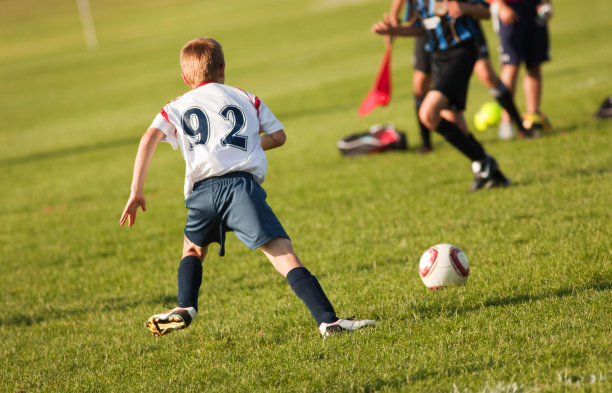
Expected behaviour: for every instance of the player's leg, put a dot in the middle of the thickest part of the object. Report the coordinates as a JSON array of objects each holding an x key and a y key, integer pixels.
[
  {"x": 508, "y": 77},
  {"x": 451, "y": 74},
  {"x": 306, "y": 286},
  {"x": 421, "y": 83},
  {"x": 487, "y": 75},
  {"x": 189, "y": 281},
  {"x": 280, "y": 253},
  {"x": 537, "y": 52},
  {"x": 532, "y": 85}
]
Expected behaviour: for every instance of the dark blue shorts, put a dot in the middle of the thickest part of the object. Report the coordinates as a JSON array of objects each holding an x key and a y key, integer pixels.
[
  {"x": 233, "y": 202},
  {"x": 527, "y": 39}
]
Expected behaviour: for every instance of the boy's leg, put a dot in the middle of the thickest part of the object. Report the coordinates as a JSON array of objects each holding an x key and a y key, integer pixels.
[
  {"x": 189, "y": 281},
  {"x": 421, "y": 82},
  {"x": 509, "y": 73},
  {"x": 484, "y": 70},
  {"x": 306, "y": 286},
  {"x": 189, "y": 274},
  {"x": 433, "y": 105},
  {"x": 486, "y": 172},
  {"x": 532, "y": 85}
]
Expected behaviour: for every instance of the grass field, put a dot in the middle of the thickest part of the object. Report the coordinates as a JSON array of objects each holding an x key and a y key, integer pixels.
[{"x": 76, "y": 288}]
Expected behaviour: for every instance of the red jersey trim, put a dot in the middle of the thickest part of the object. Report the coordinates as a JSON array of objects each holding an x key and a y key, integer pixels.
[
  {"x": 255, "y": 103},
  {"x": 204, "y": 83}
]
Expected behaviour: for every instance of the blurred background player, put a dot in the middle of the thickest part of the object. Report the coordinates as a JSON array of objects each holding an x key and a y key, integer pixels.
[
  {"x": 222, "y": 132},
  {"x": 421, "y": 77},
  {"x": 522, "y": 26},
  {"x": 451, "y": 41}
]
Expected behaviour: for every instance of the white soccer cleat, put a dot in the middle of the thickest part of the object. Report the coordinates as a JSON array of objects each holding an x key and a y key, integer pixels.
[
  {"x": 177, "y": 318},
  {"x": 344, "y": 325}
]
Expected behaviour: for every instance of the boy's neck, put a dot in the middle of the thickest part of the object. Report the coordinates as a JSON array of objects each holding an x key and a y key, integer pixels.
[{"x": 220, "y": 80}]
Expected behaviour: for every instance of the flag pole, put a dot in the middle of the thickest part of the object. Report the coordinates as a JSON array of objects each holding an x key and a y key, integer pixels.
[{"x": 89, "y": 30}]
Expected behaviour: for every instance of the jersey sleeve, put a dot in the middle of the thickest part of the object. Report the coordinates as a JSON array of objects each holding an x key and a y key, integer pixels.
[
  {"x": 268, "y": 123},
  {"x": 162, "y": 123}
]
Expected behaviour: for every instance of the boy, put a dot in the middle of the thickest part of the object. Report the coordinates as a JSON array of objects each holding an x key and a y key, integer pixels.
[
  {"x": 483, "y": 68},
  {"x": 218, "y": 129},
  {"x": 522, "y": 26},
  {"x": 451, "y": 41}
]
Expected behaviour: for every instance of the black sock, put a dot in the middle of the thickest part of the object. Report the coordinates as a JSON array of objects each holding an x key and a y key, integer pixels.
[
  {"x": 189, "y": 281},
  {"x": 425, "y": 133},
  {"x": 504, "y": 97},
  {"x": 307, "y": 287},
  {"x": 468, "y": 145}
]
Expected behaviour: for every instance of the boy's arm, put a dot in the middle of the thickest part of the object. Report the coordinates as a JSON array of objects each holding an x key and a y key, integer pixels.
[
  {"x": 273, "y": 140},
  {"x": 394, "y": 12},
  {"x": 507, "y": 15},
  {"x": 384, "y": 27},
  {"x": 476, "y": 11},
  {"x": 147, "y": 146}
]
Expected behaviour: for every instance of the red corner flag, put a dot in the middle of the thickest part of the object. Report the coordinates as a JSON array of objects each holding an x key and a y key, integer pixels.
[{"x": 380, "y": 94}]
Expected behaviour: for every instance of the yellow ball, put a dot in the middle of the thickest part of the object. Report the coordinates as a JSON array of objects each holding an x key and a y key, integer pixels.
[
  {"x": 492, "y": 112},
  {"x": 480, "y": 121}
]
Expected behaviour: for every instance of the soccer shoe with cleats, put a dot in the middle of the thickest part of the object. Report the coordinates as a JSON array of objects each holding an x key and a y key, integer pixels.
[
  {"x": 536, "y": 121},
  {"x": 483, "y": 171},
  {"x": 177, "y": 318},
  {"x": 506, "y": 130},
  {"x": 498, "y": 180},
  {"x": 344, "y": 325}
]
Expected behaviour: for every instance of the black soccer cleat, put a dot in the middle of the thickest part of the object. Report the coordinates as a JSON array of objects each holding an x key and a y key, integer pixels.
[
  {"x": 177, "y": 318},
  {"x": 483, "y": 171},
  {"x": 498, "y": 180}
]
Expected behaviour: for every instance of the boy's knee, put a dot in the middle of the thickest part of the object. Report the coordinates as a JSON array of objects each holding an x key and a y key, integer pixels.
[
  {"x": 190, "y": 248},
  {"x": 429, "y": 117}
]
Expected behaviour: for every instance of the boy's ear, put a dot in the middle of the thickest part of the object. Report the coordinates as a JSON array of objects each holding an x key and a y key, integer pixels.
[
  {"x": 185, "y": 79},
  {"x": 222, "y": 71}
]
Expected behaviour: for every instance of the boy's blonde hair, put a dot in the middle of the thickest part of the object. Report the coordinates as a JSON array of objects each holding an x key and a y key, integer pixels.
[{"x": 201, "y": 60}]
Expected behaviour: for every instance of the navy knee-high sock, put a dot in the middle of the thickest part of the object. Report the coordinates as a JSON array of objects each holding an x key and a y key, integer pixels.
[
  {"x": 466, "y": 144},
  {"x": 425, "y": 133},
  {"x": 189, "y": 281},
  {"x": 307, "y": 287}
]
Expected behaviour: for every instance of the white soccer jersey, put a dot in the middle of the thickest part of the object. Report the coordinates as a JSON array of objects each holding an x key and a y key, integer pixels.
[{"x": 218, "y": 129}]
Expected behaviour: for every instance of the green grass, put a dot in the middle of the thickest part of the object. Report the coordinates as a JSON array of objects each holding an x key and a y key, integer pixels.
[{"x": 76, "y": 288}]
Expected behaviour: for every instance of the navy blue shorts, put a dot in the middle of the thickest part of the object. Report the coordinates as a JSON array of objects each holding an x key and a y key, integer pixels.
[
  {"x": 231, "y": 203},
  {"x": 525, "y": 40}
]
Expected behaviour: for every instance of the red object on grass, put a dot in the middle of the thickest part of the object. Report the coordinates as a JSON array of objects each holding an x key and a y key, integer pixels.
[{"x": 380, "y": 94}]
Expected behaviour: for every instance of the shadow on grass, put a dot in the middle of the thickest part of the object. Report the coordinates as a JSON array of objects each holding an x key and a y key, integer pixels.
[
  {"x": 75, "y": 313},
  {"x": 446, "y": 310},
  {"x": 68, "y": 151}
]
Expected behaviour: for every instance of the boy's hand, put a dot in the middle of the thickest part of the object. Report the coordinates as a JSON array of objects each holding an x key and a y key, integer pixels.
[
  {"x": 383, "y": 27},
  {"x": 455, "y": 9},
  {"x": 129, "y": 213},
  {"x": 507, "y": 15}
]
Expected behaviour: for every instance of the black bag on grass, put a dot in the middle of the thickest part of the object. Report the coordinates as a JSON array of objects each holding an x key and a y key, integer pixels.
[{"x": 605, "y": 110}]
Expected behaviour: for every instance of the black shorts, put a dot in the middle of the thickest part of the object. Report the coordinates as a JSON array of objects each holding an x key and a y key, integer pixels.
[
  {"x": 451, "y": 72},
  {"x": 422, "y": 58},
  {"x": 481, "y": 42}
]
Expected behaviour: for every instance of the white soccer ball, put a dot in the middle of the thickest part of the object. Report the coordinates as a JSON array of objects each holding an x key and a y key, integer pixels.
[{"x": 443, "y": 265}]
